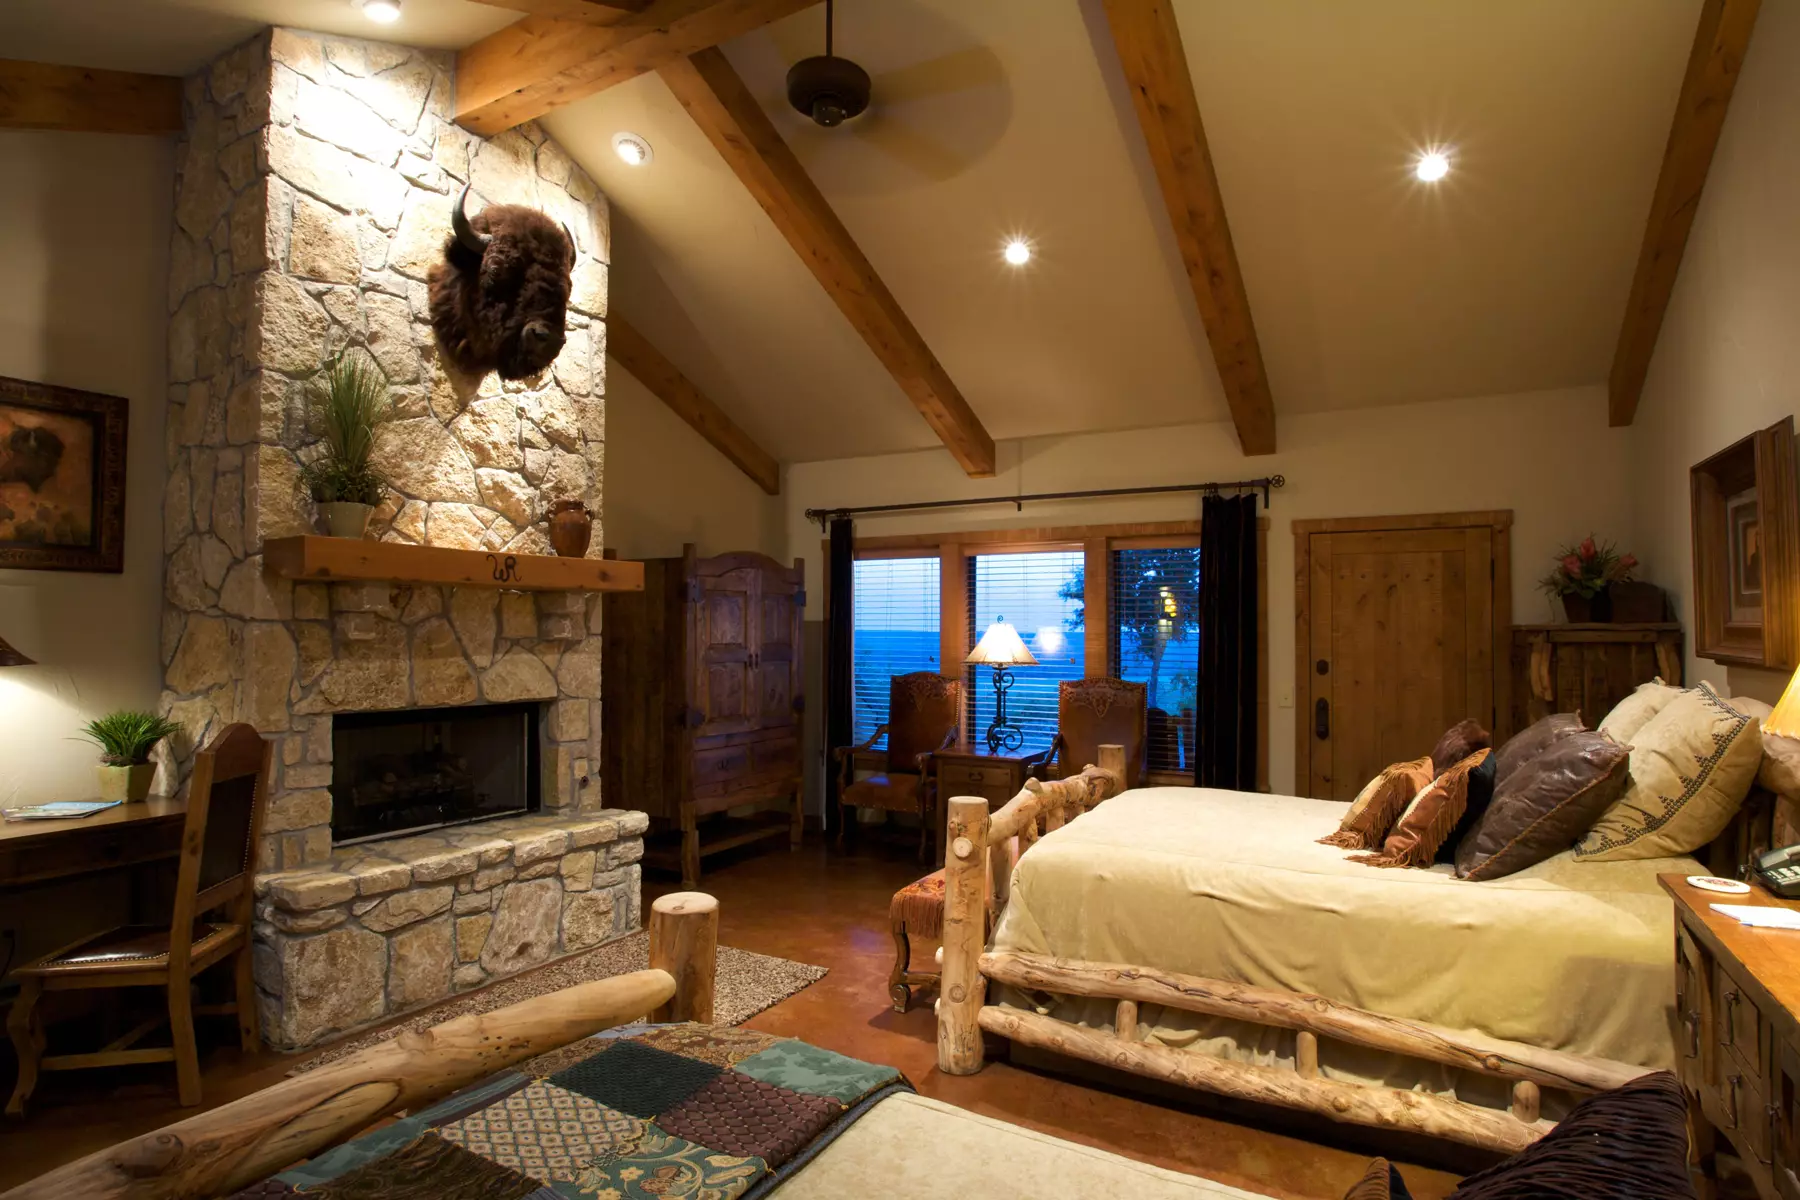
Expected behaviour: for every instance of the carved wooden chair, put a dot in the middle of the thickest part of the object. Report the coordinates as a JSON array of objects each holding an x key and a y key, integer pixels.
[
  {"x": 1091, "y": 713},
  {"x": 924, "y": 716},
  {"x": 213, "y": 897}
]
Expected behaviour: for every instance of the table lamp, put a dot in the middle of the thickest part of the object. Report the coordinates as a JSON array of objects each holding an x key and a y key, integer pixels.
[
  {"x": 1001, "y": 649},
  {"x": 1785, "y": 720},
  {"x": 12, "y": 658}
]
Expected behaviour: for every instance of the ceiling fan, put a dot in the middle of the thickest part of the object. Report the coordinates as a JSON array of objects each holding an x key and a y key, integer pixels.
[{"x": 826, "y": 88}]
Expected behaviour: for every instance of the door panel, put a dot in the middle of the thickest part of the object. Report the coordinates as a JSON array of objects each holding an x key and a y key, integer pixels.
[
  {"x": 723, "y": 648},
  {"x": 777, "y": 654},
  {"x": 1400, "y": 633}
]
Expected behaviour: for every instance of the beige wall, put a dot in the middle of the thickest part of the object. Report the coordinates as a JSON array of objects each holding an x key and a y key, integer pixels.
[
  {"x": 1728, "y": 359},
  {"x": 666, "y": 485},
  {"x": 1547, "y": 456},
  {"x": 84, "y": 222}
]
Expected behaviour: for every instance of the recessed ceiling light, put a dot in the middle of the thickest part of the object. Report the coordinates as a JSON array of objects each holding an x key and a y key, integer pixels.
[
  {"x": 1017, "y": 252},
  {"x": 1432, "y": 166},
  {"x": 384, "y": 11},
  {"x": 632, "y": 148}
]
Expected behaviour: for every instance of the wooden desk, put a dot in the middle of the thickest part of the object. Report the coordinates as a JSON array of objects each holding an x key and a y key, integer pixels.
[
  {"x": 134, "y": 832},
  {"x": 965, "y": 770},
  {"x": 1737, "y": 1004}
]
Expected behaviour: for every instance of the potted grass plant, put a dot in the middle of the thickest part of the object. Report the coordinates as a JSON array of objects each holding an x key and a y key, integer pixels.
[
  {"x": 350, "y": 401},
  {"x": 125, "y": 739}
]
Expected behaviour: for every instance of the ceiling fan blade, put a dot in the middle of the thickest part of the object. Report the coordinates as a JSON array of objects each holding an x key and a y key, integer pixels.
[
  {"x": 928, "y": 157},
  {"x": 959, "y": 71}
]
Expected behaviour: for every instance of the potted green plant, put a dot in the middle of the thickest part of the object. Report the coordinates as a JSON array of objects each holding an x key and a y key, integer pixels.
[
  {"x": 350, "y": 401},
  {"x": 125, "y": 739},
  {"x": 1583, "y": 578}
]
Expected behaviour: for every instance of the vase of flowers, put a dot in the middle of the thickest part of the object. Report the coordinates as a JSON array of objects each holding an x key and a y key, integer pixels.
[
  {"x": 347, "y": 406},
  {"x": 1583, "y": 579},
  {"x": 125, "y": 739}
]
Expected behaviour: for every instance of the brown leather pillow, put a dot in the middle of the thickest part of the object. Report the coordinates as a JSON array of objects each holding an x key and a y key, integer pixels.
[
  {"x": 1428, "y": 820},
  {"x": 1459, "y": 741},
  {"x": 1546, "y": 805},
  {"x": 1531, "y": 741},
  {"x": 1380, "y": 804}
]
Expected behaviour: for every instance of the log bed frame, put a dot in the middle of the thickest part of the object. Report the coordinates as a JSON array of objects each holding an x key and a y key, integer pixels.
[
  {"x": 982, "y": 850},
  {"x": 216, "y": 1152}
]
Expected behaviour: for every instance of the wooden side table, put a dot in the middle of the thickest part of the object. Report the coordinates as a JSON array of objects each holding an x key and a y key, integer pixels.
[
  {"x": 1737, "y": 1007},
  {"x": 969, "y": 770}
]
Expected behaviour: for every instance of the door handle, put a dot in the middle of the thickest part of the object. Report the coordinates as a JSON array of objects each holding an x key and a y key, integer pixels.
[{"x": 1322, "y": 718}]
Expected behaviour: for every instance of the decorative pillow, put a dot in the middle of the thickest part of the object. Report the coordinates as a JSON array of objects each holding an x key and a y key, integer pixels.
[
  {"x": 1691, "y": 766},
  {"x": 1428, "y": 820},
  {"x": 1459, "y": 741},
  {"x": 1380, "y": 804},
  {"x": 1545, "y": 806},
  {"x": 1380, "y": 1182},
  {"x": 1481, "y": 794},
  {"x": 1634, "y": 711},
  {"x": 1780, "y": 769},
  {"x": 1627, "y": 1144},
  {"x": 1532, "y": 741}
]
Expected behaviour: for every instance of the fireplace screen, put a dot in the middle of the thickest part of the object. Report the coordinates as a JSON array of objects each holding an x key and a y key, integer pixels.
[{"x": 402, "y": 772}]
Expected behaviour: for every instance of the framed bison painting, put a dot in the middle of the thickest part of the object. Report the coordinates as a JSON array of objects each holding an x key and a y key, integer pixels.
[{"x": 62, "y": 478}]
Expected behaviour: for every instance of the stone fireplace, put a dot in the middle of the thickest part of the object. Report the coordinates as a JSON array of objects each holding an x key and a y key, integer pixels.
[{"x": 315, "y": 182}]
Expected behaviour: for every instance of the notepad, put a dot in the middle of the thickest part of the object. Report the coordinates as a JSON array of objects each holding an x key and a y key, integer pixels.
[
  {"x": 1752, "y": 914},
  {"x": 59, "y": 810}
]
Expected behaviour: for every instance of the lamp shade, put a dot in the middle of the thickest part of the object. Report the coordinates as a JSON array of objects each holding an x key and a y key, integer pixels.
[
  {"x": 1785, "y": 720},
  {"x": 1001, "y": 646},
  {"x": 12, "y": 658}
]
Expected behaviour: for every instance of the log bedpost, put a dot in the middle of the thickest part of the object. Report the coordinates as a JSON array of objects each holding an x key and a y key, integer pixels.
[
  {"x": 961, "y": 988},
  {"x": 1112, "y": 759},
  {"x": 684, "y": 941}
]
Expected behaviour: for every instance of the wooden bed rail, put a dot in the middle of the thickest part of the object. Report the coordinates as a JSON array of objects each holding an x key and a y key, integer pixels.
[{"x": 223, "y": 1149}]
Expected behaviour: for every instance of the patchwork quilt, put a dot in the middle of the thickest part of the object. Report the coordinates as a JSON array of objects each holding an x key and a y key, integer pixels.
[{"x": 674, "y": 1112}]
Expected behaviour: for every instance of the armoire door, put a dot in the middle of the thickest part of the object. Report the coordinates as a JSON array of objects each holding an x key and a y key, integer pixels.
[
  {"x": 777, "y": 656},
  {"x": 1395, "y": 639},
  {"x": 725, "y": 615}
]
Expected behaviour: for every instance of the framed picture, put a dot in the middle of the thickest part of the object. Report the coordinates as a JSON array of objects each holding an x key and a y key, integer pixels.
[
  {"x": 62, "y": 478},
  {"x": 1747, "y": 551}
]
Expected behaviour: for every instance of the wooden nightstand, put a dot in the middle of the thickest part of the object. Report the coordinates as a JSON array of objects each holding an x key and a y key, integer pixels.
[
  {"x": 1737, "y": 1004},
  {"x": 965, "y": 770}
]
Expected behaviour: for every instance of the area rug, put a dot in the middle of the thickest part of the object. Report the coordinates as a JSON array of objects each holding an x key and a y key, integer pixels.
[{"x": 745, "y": 984}]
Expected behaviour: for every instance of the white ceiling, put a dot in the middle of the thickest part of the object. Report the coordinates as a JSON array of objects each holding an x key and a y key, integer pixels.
[{"x": 1009, "y": 116}]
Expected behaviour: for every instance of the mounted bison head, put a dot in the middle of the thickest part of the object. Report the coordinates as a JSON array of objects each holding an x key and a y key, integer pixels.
[{"x": 499, "y": 297}]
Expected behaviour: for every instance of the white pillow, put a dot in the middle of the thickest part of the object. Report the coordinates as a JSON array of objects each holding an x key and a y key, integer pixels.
[{"x": 1634, "y": 711}]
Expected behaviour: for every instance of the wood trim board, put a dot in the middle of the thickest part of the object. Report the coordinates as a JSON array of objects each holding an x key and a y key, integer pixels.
[{"x": 36, "y": 95}]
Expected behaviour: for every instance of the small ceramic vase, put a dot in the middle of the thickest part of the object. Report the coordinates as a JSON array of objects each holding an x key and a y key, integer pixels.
[{"x": 571, "y": 525}]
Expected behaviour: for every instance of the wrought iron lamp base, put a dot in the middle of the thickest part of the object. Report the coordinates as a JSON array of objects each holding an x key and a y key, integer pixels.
[{"x": 1001, "y": 733}]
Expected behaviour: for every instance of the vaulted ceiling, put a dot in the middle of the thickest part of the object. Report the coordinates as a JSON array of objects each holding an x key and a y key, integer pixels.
[{"x": 1003, "y": 118}]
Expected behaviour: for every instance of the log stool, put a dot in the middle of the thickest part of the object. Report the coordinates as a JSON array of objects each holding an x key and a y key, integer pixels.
[{"x": 916, "y": 911}]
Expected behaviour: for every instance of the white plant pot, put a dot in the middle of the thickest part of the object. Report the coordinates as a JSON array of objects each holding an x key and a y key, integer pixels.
[
  {"x": 125, "y": 783},
  {"x": 345, "y": 518}
]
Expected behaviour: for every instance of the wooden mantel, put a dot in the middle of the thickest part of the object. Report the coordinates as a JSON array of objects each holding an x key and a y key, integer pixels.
[{"x": 346, "y": 560}]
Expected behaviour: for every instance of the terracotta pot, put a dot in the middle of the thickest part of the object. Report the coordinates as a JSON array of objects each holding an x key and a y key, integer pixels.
[
  {"x": 125, "y": 783},
  {"x": 571, "y": 525},
  {"x": 1581, "y": 610},
  {"x": 346, "y": 518}
]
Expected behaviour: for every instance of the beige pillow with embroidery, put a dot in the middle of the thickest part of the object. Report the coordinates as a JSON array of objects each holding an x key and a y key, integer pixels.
[
  {"x": 1691, "y": 766},
  {"x": 1634, "y": 711}
]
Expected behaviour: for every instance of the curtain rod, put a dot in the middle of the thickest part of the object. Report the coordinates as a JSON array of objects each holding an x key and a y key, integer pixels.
[{"x": 824, "y": 515}]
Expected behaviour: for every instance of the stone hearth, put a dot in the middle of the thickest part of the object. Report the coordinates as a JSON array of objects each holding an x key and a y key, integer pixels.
[{"x": 389, "y": 926}]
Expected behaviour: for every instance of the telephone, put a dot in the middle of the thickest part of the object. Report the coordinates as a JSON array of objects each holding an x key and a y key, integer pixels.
[{"x": 1779, "y": 871}]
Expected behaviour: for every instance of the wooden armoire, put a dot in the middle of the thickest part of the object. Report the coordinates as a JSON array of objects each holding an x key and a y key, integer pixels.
[{"x": 701, "y": 699}]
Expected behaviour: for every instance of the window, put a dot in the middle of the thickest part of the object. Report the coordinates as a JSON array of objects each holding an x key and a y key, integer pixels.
[
  {"x": 1156, "y": 641},
  {"x": 1040, "y": 595},
  {"x": 895, "y": 620}
]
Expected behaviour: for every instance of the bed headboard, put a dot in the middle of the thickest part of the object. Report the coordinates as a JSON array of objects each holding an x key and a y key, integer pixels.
[{"x": 1765, "y": 820}]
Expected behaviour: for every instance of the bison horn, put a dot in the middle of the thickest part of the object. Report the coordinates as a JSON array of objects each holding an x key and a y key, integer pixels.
[
  {"x": 465, "y": 233},
  {"x": 570, "y": 234}
]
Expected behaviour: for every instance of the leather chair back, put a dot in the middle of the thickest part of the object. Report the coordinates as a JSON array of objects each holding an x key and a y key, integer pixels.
[
  {"x": 924, "y": 708},
  {"x": 1091, "y": 713}
]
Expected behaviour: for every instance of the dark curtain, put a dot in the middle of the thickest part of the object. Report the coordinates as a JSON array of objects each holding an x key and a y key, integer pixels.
[
  {"x": 1225, "y": 693},
  {"x": 839, "y": 676}
]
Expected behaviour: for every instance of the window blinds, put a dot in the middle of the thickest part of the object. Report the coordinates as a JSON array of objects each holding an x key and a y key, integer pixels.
[
  {"x": 1156, "y": 641},
  {"x": 896, "y": 631},
  {"x": 1040, "y": 595}
]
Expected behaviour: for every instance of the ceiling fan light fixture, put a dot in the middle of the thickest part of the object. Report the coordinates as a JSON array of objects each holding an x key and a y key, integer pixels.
[{"x": 828, "y": 90}]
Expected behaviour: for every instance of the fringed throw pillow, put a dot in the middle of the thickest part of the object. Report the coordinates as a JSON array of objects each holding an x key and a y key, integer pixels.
[
  {"x": 1380, "y": 804},
  {"x": 1428, "y": 820}
]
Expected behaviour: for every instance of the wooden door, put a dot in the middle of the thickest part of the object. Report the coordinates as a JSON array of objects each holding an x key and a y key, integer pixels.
[
  {"x": 777, "y": 662},
  {"x": 724, "y": 645},
  {"x": 1396, "y": 642}
]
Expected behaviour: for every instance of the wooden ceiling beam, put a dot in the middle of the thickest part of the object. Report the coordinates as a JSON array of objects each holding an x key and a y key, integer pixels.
[
  {"x": 83, "y": 100},
  {"x": 542, "y": 63},
  {"x": 599, "y": 12},
  {"x": 1162, "y": 92},
  {"x": 631, "y": 350},
  {"x": 716, "y": 98},
  {"x": 1720, "y": 40}
]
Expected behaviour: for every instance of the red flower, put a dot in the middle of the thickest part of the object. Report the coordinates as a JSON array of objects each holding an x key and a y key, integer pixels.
[
  {"x": 1572, "y": 565},
  {"x": 1627, "y": 562},
  {"x": 1587, "y": 549}
]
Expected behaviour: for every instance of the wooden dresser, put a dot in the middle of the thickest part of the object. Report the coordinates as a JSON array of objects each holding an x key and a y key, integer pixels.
[
  {"x": 701, "y": 694},
  {"x": 1587, "y": 668},
  {"x": 1737, "y": 1004}
]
